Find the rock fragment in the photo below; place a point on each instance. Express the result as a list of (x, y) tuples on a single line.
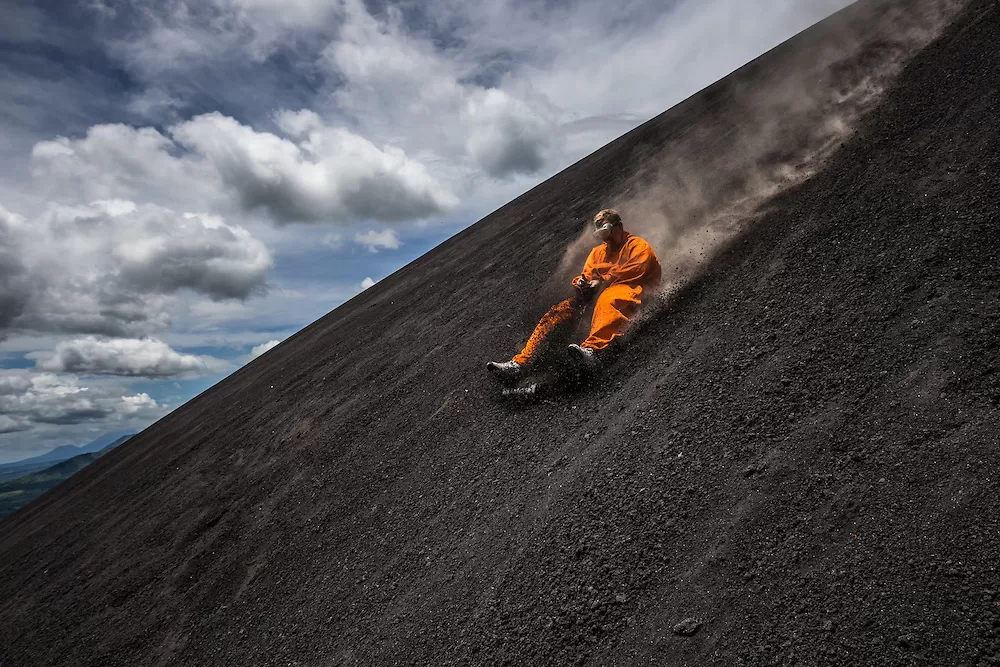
[(688, 627)]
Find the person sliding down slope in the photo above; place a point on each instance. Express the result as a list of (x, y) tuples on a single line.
[(627, 269)]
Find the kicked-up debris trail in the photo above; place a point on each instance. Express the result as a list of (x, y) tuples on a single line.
[(794, 461)]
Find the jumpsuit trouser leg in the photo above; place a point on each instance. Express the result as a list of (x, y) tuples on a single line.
[(615, 307), (558, 314)]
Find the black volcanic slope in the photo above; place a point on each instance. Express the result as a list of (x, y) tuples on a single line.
[(801, 452)]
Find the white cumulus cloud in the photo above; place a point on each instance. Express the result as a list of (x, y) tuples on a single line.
[(114, 268), (317, 173), (146, 357), (28, 399), (386, 239), (258, 350), (505, 135), (399, 83), (114, 161), (329, 174)]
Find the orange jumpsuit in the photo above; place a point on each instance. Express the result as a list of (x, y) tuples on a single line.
[(629, 272)]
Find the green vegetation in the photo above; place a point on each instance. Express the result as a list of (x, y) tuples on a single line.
[(16, 493)]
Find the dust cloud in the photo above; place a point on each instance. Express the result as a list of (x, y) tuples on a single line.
[(764, 135)]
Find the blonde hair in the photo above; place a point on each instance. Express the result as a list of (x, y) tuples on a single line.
[(606, 216)]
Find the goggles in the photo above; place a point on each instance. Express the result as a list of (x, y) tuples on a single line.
[(604, 231)]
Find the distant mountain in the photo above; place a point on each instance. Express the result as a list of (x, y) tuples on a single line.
[(115, 443), (64, 452), (15, 493), (18, 469), (60, 453), (109, 440)]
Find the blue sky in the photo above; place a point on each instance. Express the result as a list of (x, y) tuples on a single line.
[(183, 183)]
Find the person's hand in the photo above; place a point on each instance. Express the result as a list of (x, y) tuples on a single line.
[(582, 283)]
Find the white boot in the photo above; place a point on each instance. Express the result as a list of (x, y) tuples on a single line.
[(584, 355), (505, 370)]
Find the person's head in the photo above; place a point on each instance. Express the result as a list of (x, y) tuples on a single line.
[(608, 227)]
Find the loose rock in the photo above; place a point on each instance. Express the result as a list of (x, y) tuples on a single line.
[(688, 627)]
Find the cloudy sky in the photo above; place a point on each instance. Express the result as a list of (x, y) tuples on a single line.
[(184, 183)]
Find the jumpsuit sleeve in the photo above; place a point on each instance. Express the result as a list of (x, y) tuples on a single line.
[(590, 268), (640, 261)]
